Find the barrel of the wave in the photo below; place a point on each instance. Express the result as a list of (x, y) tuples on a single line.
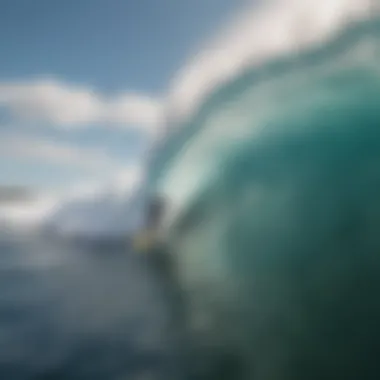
[(278, 241)]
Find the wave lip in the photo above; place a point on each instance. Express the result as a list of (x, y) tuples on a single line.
[(260, 34)]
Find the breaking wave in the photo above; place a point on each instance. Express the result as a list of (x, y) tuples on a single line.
[(274, 183)]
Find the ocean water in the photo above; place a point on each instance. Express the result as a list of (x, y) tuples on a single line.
[(274, 193), (70, 311), (273, 187)]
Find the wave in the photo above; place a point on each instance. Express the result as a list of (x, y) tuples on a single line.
[(258, 34), (273, 182), (257, 95)]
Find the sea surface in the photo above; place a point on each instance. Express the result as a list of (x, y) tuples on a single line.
[(274, 183), (77, 311)]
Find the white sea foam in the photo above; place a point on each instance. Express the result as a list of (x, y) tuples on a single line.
[(259, 34)]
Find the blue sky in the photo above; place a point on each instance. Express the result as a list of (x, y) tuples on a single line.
[(74, 72)]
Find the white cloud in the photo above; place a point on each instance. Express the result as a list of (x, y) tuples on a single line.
[(28, 215), (60, 104), (258, 34), (19, 146), (131, 109)]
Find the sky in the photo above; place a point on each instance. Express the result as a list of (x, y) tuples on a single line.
[(82, 83)]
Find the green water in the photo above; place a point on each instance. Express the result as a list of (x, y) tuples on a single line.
[(275, 191)]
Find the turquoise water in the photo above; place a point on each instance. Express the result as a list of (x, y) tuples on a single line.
[(274, 190)]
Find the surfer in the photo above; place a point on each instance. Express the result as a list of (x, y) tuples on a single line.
[(149, 243)]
